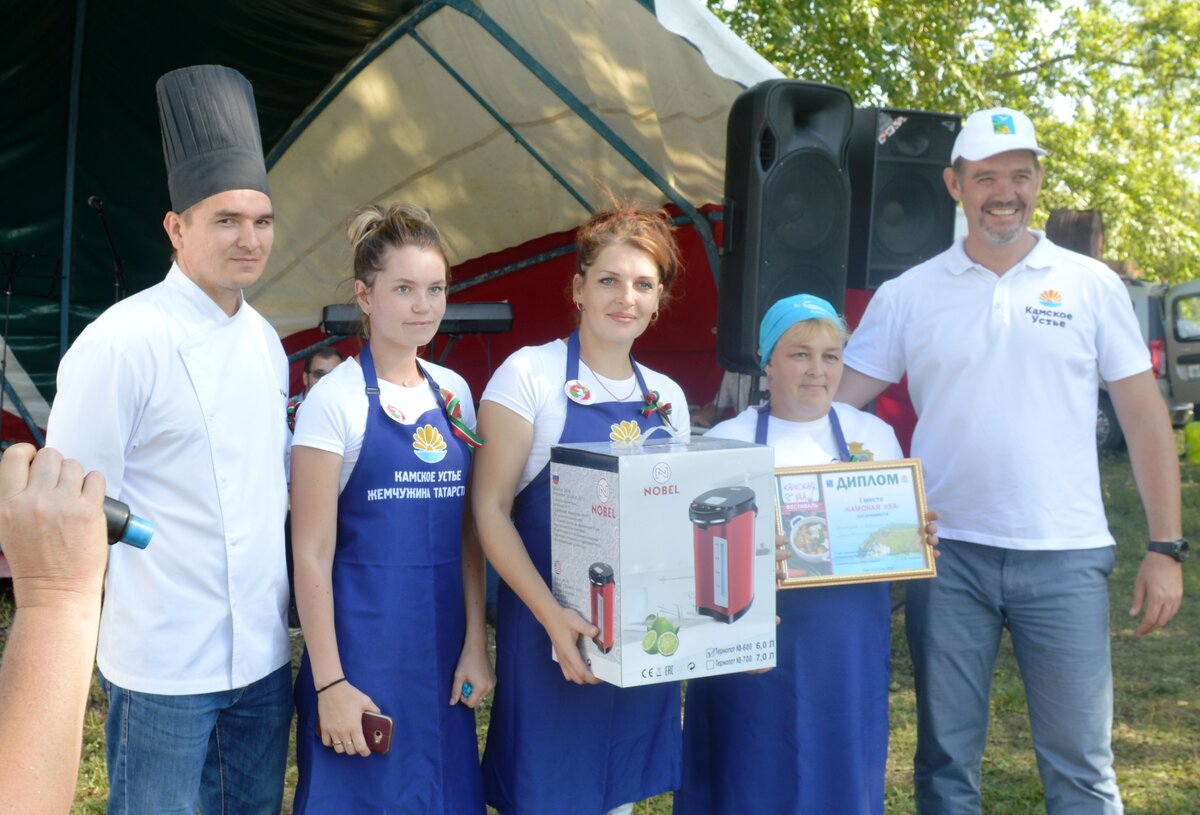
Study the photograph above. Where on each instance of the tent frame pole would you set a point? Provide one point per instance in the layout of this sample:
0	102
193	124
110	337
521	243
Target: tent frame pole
508	128
64	327
469	9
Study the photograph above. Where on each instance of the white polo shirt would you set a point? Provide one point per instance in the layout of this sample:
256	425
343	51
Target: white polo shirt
1004	373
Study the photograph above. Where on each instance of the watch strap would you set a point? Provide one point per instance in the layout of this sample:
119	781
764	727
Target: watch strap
1177	549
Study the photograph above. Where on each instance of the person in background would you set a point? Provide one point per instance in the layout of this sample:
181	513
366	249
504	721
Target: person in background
810	735
736	390
389	573
1005	338
53	532
559	742
316	365
176	394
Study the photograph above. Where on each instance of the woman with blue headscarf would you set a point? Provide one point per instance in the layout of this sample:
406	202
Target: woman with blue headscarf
809	736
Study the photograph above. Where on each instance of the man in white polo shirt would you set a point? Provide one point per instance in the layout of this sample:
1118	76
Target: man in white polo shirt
1005	338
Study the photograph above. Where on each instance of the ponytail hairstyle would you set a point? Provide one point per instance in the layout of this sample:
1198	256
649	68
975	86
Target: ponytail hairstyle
376	229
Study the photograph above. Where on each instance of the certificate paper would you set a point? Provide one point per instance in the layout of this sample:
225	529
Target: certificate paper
853	523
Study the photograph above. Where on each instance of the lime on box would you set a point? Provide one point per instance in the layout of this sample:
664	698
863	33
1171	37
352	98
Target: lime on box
668	643
663	625
650	642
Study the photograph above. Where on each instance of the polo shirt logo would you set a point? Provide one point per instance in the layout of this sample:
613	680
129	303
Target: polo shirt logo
1050	298
1002	124
1051	312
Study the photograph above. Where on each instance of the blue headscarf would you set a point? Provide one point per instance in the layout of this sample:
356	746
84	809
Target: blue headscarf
785	314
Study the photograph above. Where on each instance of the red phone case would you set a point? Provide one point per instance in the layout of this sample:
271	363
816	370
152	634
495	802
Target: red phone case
377	730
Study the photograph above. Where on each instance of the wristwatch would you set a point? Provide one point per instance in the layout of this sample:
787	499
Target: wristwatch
1176	549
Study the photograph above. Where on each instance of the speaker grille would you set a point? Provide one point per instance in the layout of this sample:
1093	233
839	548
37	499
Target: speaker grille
807	209
901	213
901	222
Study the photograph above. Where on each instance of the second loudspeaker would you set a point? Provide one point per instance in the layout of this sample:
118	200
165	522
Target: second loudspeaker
901	212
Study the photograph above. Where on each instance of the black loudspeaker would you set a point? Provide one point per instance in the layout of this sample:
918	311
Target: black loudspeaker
1080	230
901	212
787	207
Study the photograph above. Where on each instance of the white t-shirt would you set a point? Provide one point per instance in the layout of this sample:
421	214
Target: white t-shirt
531	384
1004	373
801	444
333	417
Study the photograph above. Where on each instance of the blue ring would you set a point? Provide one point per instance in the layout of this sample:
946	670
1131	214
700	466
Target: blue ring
467	690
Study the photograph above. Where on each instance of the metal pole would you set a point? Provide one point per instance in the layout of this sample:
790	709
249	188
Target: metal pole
69	193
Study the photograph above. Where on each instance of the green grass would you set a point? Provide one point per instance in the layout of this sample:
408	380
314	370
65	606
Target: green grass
1156	733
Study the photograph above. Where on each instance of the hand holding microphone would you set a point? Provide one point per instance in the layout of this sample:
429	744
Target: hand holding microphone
52	522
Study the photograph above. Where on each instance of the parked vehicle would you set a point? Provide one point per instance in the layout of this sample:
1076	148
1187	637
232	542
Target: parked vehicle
1170	320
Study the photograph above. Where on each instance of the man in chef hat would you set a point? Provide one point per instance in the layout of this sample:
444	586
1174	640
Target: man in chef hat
177	396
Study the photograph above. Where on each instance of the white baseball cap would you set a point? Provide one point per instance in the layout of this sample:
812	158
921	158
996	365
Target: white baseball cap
992	131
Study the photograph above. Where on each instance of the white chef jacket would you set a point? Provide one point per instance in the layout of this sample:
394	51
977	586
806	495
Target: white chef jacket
182	408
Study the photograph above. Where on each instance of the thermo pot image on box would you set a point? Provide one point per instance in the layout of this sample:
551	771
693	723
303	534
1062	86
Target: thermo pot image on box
723	548
602	583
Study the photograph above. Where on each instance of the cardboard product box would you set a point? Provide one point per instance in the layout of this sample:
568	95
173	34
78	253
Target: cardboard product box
668	548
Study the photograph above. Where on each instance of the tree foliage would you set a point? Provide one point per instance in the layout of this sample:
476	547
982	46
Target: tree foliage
1113	85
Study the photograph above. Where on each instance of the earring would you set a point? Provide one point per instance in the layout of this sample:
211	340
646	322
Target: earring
654	317
578	306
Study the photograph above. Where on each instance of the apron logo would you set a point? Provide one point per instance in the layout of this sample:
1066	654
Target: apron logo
626	432
429	445
860	453
578	392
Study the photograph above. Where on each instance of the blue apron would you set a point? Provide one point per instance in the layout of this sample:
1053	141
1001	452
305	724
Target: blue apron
554	747
400	622
809	737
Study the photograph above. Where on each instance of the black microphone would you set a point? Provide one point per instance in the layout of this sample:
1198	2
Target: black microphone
95	203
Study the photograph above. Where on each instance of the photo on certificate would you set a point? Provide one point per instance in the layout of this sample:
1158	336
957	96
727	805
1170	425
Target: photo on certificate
853	523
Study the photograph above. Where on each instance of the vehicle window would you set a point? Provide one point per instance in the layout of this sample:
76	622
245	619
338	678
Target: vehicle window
1187	318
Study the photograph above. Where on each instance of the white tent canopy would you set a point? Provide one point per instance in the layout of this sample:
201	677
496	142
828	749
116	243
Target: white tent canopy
502	117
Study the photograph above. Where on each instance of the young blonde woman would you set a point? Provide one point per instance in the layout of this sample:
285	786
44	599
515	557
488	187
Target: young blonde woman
560	742
389	577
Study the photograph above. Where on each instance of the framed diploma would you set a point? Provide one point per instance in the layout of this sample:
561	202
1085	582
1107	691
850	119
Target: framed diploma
852	523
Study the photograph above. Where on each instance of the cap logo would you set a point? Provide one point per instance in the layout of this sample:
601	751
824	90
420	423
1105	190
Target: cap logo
1002	124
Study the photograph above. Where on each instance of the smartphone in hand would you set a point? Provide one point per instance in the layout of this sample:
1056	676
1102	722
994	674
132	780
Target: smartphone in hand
377	730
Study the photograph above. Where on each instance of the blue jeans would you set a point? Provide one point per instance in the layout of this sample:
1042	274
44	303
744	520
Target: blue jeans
1055	606
225	752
